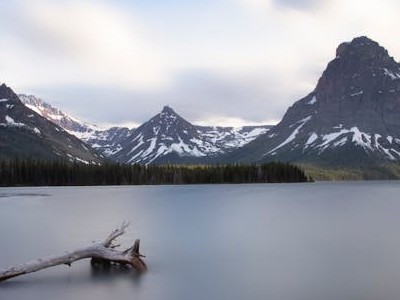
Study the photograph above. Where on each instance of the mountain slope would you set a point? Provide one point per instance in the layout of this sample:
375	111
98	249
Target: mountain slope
352	118
105	141
168	138
55	115
26	134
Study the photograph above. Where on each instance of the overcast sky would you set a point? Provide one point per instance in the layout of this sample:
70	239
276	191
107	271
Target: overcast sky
216	62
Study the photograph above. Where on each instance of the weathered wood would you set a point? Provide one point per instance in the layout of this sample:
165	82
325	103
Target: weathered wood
104	252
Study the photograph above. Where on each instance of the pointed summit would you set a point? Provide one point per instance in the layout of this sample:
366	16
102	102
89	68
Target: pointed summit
168	109
165	135
8	93
169	115
363	46
360	57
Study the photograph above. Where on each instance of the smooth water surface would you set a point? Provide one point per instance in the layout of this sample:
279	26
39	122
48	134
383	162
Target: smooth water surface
269	241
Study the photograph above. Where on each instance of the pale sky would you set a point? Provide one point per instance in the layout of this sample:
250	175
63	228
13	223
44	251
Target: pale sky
216	62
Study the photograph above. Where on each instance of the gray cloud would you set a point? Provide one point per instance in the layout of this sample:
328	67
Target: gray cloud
205	95
117	63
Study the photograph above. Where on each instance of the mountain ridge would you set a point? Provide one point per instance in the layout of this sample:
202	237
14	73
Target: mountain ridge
102	140
175	141
169	138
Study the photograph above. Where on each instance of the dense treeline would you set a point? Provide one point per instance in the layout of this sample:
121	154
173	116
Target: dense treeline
36	173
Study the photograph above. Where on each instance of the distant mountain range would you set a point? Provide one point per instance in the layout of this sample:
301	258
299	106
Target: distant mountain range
350	120
165	138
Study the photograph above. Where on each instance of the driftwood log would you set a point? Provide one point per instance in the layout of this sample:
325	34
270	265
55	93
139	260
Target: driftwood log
101	253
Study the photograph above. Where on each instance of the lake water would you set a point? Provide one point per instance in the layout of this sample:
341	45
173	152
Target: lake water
269	241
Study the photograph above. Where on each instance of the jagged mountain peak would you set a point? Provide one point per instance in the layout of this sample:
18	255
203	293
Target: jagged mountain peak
55	115
168	122
169	117
7	93
362	57
37	102
168	110
361	46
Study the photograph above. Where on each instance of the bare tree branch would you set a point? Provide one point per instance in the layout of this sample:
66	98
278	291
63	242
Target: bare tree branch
99	252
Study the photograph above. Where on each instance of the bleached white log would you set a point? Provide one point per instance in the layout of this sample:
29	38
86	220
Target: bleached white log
102	251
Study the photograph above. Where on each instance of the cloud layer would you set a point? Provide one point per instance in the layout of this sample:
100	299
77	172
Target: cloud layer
220	62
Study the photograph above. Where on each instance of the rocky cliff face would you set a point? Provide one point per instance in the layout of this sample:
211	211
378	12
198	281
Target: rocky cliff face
352	116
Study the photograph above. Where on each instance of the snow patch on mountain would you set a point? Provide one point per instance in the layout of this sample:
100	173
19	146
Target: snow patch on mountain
292	136
392	75
202	142
10	121
35	109
312	101
368	141
230	137
313	137
183	149
357	94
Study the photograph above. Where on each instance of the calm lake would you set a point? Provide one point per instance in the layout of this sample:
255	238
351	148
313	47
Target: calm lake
264	241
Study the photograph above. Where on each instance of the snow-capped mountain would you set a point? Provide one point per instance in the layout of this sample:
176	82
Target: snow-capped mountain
108	141
26	134
351	118
57	116
169	138
105	141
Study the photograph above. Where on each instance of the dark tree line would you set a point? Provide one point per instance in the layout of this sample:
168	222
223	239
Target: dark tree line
38	173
